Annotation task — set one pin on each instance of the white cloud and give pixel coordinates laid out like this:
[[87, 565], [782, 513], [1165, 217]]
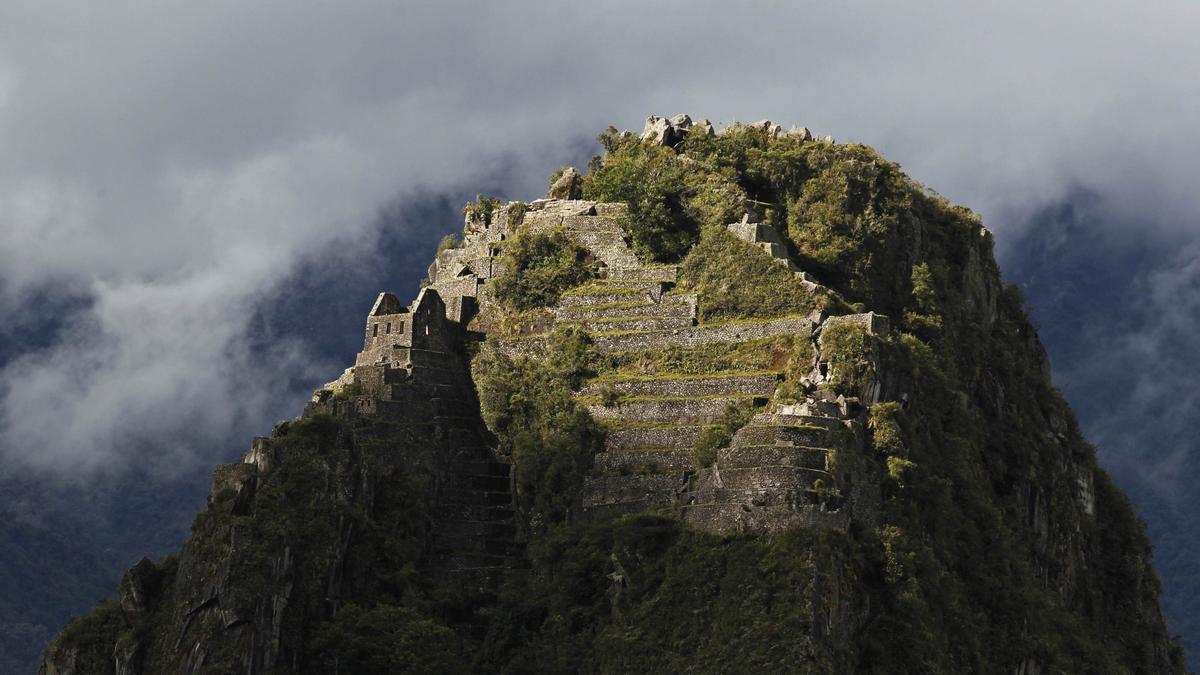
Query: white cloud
[[174, 162]]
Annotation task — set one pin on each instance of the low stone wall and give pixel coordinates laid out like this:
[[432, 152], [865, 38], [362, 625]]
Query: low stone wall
[[790, 436], [656, 323], [772, 478], [875, 324], [593, 224], [762, 385], [668, 410], [740, 331], [748, 456], [737, 516], [653, 437], [648, 489], [778, 420], [656, 309], [588, 300], [669, 274], [661, 461]]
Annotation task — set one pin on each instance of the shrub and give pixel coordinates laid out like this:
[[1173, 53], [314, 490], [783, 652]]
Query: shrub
[[386, 640], [736, 279], [886, 436], [712, 439], [650, 179], [851, 355], [538, 268], [530, 407], [516, 214], [448, 242], [481, 209], [93, 636]]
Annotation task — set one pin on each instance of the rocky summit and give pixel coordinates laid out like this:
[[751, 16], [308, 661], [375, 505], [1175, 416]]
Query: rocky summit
[[736, 400]]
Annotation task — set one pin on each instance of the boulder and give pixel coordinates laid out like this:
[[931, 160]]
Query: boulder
[[668, 132], [800, 132], [568, 186], [773, 130]]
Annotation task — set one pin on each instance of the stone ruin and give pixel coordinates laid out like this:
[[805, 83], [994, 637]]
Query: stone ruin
[[795, 463]]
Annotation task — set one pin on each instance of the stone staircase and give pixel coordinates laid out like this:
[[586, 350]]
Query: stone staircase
[[781, 469], [765, 237]]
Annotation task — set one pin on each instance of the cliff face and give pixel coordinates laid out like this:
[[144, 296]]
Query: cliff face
[[731, 401]]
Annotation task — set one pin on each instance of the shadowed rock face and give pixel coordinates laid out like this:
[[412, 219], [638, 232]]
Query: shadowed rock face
[[738, 518]]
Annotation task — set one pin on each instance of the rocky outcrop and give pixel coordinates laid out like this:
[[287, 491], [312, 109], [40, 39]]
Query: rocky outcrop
[[856, 485]]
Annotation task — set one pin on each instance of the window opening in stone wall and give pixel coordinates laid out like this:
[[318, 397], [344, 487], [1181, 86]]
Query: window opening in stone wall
[[389, 328], [374, 330]]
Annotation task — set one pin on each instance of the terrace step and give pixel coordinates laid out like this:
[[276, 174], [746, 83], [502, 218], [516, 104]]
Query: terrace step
[[652, 437], [706, 410], [626, 309], [749, 456], [762, 384], [605, 297], [773, 478], [644, 460], [782, 420], [670, 274], [592, 224], [638, 489], [650, 286], [636, 323], [789, 436]]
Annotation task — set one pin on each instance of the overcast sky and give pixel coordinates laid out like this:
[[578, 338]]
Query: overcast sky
[[165, 166], [178, 180]]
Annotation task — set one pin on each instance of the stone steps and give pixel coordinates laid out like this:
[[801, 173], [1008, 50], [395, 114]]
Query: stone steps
[[682, 437], [760, 384], [627, 309], [592, 224], [635, 323], [765, 237], [644, 460], [704, 410]]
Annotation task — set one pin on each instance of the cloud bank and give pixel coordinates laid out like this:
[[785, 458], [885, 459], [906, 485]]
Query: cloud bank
[[168, 167]]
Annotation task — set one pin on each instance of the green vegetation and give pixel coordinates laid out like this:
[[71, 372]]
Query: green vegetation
[[651, 180], [712, 439], [979, 553], [645, 594], [481, 209], [734, 279], [770, 353], [530, 407], [516, 214], [93, 635], [851, 354], [386, 640], [450, 241], [538, 268]]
